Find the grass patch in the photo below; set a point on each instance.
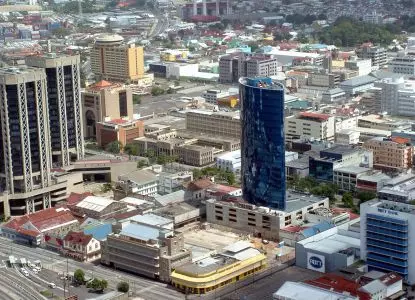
(47, 293)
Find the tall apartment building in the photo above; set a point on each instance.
(403, 65)
(149, 250)
(387, 232)
(378, 55)
(111, 59)
(310, 125)
(236, 65)
(393, 153)
(64, 105)
(214, 123)
(262, 142)
(25, 158)
(105, 99)
(389, 94)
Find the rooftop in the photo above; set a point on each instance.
(330, 243)
(139, 177)
(315, 116)
(175, 197)
(358, 81)
(352, 170)
(397, 207)
(303, 291)
(151, 220)
(262, 83)
(140, 231)
(95, 203)
(78, 238)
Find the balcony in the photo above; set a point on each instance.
(383, 238)
(387, 267)
(395, 234)
(387, 260)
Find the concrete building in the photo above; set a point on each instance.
(391, 154)
(262, 221)
(372, 182)
(64, 105)
(310, 125)
(357, 85)
(399, 189)
(371, 100)
(172, 182)
(205, 10)
(330, 250)
(236, 262)
(334, 95)
(142, 182)
(377, 55)
(387, 229)
(402, 65)
(26, 147)
(389, 94)
(212, 96)
(326, 80)
(195, 155)
(346, 177)
(322, 167)
(347, 137)
(363, 66)
(236, 65)
(381, 123)
(105, 100)
(214, 123)
(147, 249)
(111, 59)
(230, 162)
(123, 131)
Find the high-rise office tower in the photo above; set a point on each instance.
(64, 102)
(262, 142)
(24, 138)
(111, 59)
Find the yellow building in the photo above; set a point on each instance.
(337, 63)
(111, 59)
(230, 101)
(174, 54)
(236, 262)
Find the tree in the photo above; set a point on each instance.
(97, 285)
(114, 147)
(157, 91)
(61, 32)
(79, 276)
(123, 287)
(131, 149)
(347, 199)
(366, 196)
(136, 99)
(106, 187)
(141, 164)
(282, 36)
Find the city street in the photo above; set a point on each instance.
(57, 264)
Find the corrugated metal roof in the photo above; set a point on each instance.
(141, 232)
(95, 203)
(151, 219)
(238, 246)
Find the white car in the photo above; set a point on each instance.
(25, 273)
(35, 271)
(52, 285)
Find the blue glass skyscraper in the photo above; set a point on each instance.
(262, 142)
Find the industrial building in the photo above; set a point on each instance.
(387, 232)
(330, 250)
(112, 59)
(64, 105)
(236, 262)
(263, 142)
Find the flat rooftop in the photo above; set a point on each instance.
(331, 244)
(303, 291)
(262, 83)
(391, 205)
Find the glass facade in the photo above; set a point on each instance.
(387, 244)
(262, 142)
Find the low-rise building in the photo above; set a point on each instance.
(330, 250)
(149, 250)
(391, 154)
(310, 125)
(261, 221)
(81, 246)
(402, 65)
(347, 137)
(399, 189)
(215, 123)
(98, 207)
(363, 66)
(236, 262)
(142, 182)
(327, 80)
(333, 95)
(172, 182)
(346, 177)
(357, 84)
(118, 130)
(33, 229)
(372, 181)
(230, 161)
(212, 96)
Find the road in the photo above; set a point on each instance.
(142, 287)
(13, 285)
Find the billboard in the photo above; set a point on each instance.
(316, 262)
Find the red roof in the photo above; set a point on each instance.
(75, 198)
(321, 117)
(78, 238)
(400, 140)
(117, 121)
(101, 85)
(390, 278)
(339, 284)
(223, 188)
(42, 220)
(292, 228)
(199, 184)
